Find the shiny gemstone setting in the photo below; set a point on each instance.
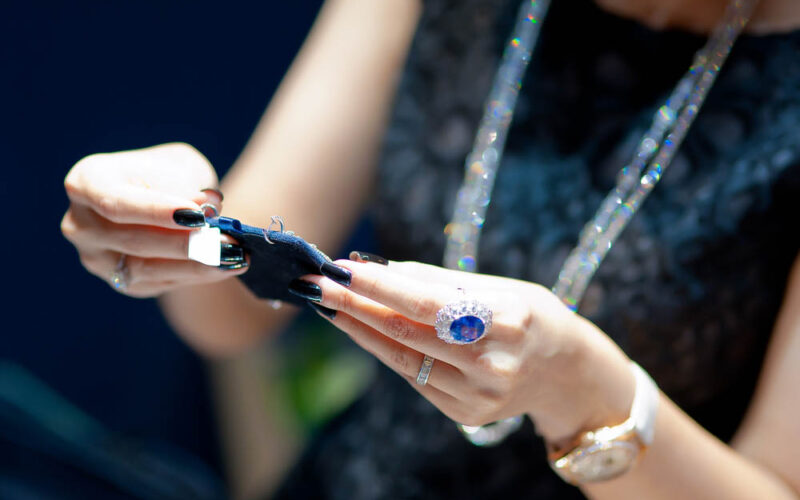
(463, 322)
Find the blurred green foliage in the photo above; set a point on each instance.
(322, 371)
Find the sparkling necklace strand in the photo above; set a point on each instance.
(475, 194)
(634, 182)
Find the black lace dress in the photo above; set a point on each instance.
(690, 290)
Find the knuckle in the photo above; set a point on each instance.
(423, 306)
(71, 181)
(398, 327)
(400, 362)
(372, 286)
(500, 366)
(108, 207)
(527, 321)
(68, 226)
(74, 180)
(346, 301)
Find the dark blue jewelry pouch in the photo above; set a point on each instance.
(276, 258)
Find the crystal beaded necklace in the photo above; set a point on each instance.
(634, 181)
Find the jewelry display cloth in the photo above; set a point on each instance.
(274, 263)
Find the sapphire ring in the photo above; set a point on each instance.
(463, 321)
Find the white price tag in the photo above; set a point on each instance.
(204, 245)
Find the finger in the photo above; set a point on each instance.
(147, 277)
(389, 323)
(89, 229)
(126, 204)
(410, 269)
(103, 264)
(458, 410)
(416, 298)
(144, 186)
(180, 272)
(403, 360)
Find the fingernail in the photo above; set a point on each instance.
(336, 273)
(306, 290)
(328, 313)
(215, 190)
(233, 267)
(368, 257)
(189, 218)
(230, 253)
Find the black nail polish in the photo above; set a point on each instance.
(189, 218)
(368, 257)
(306, 290)
(231, 254)
(233, 267)
(336, 273)
(328, 313)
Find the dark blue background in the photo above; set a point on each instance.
(83, 77)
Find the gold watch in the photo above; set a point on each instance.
(607, 452)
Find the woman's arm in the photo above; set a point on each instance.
(569, 377)
(311, 158)
(763, 461)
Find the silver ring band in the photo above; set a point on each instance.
(209, 210)
(425, 370)
(120, 276)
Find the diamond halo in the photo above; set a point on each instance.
(463, 322)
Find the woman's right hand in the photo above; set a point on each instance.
(135, 209)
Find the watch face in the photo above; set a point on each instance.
(603, 460)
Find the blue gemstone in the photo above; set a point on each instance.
(467, 329)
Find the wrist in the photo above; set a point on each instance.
(596, 387)
(607, 452)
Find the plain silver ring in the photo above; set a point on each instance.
(206, 207)
(121, 275)
(425, 370)
(275, 219)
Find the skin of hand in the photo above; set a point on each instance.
(125, 204)
(539, 358)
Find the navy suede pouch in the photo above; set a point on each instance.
(272, 265)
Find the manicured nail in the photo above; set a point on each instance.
(231, 253)
(306, 290)
(214, 190)
(368, 257)
(233, 267)
(189, 218)
(336, 273)
(328, 313)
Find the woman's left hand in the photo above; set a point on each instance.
(538, 358)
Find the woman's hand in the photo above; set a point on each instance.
(538, 358)
(134, 210)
